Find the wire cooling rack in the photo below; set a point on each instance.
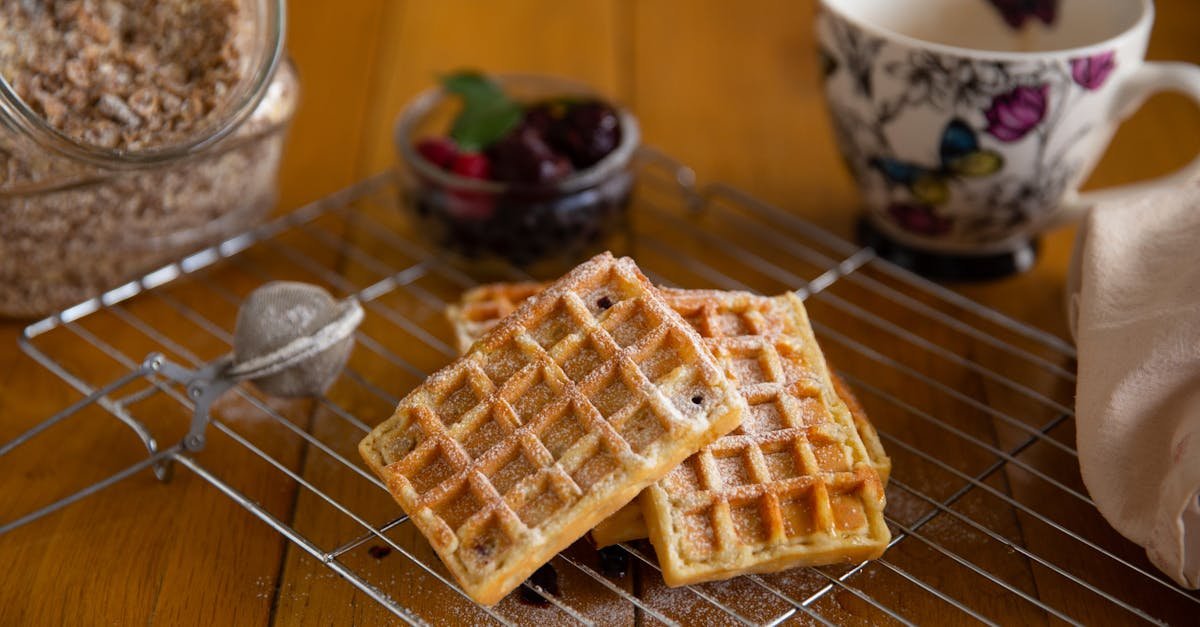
(990, 519)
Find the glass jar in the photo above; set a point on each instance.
(488, 226)
(76, 218)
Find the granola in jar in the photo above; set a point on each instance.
(136, 131)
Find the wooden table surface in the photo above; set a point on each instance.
(730, 88)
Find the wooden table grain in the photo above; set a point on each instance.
(729, 88)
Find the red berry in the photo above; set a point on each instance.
(439, 151)
(473, 165)
(469, 204)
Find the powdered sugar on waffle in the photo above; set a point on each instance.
(554, 419)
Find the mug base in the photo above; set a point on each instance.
(949, 266)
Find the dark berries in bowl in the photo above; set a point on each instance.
(588, 132)
(524, 157)
(531, 168)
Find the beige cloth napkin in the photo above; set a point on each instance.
(1134, 300)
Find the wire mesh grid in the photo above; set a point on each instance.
(990, 520)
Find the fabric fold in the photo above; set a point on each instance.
(1134, 301)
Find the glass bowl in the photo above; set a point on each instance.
(487, 225)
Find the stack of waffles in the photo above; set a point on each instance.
(572, 398)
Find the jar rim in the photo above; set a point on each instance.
(427, 100)
(20, 115)
(235, 140)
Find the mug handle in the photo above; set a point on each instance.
(1152, 77)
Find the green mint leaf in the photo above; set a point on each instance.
(472, 86)
(487, 113)
(479, 127)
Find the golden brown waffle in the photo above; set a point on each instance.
(628, 524)
(866, 430)
(553, 420)
(482, 307)
(793, 484)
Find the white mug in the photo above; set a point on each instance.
(970, 124)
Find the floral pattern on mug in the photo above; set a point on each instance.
(858, 51)
(963, 188)
(1091, 72)
(1016, 12)
(1015, 113)
(919, 219)
(960, 155)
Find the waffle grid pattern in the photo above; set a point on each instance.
(552, 421)
(794, 483)
(628, 523)
(707, 312)
(481, 308)
(484, 306)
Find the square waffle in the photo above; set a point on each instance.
(628, 524)
(483, 307)
(552, 421)
(793, 485)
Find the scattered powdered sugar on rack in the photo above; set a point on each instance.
(265, 587)
(904, 507)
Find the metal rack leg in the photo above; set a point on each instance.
(164, 455)
(158, 460)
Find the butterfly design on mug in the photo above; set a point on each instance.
(959, 155)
